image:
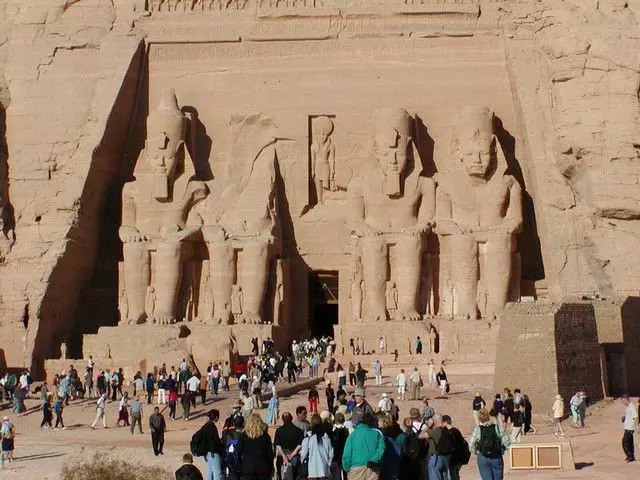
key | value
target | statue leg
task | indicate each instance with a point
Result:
(167, 281)
(255, 267)
(222, 270)
(497, 272)
(409, 259)
(136, 279)
(464, 272)
(319, 191)
(375, 257)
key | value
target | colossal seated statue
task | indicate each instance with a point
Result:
(240, 221)
(158, 215)
(390, 206)
(479, 206)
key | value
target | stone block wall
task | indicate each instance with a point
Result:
(546, 349)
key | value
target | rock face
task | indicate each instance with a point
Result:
(279, 143)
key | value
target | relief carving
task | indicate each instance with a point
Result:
(323, 156)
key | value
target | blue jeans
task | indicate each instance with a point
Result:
(490, 468)
(214, 466)
(438, 467)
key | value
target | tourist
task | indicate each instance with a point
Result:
(418, 346)
(7, 434)
(394, 410)
(188, 471)
(630, 423)
(432, 372)
(138, 384)
(317, 450)
(496, 409)
(528, 415)
(287, 442)
(338, 435)
(234, 426)
(517, 425)
(507, 407)
(361, 376)
(274, 408)
(392, 451)
(401, 382)
(63, 388)
(157, 426)
(226, 374)
(461, 452)
(384, 405)
(193, 386)
(100, 412)
(150, 387)
(173, 401)
(88, 382)
(489, 442)
(352, 374)
(47, 413)
(477, 405)
(256, 450)
(162, 392)
(301, 419)
(582, 408)
(416, 383)
(363, 450)
(313, 399)
(136, 414)
(441, 379)
(58, 407)
(361, 407)
(186, 405)
(412, 452)
(558, 413)
(204, 383)
(213, 447)
(377, 372)
(123, 410)
(440, 448)
(331, 397)
(427, 411)
(115, 384)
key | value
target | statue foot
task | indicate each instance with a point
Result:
(164, 318)
(464, 316)
(380, 316)
(252, 318)
(223, 317)
(408, 315)
(136, 318)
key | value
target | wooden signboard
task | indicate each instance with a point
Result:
(535, 456)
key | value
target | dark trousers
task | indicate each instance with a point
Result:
(256, 476)
(226, 383)
(203, 396)
(59, 420)
(46, 419)
(352, 379)
(149, 397)
(172, 409)
(291, 376)
(627, 444)
(157, 440)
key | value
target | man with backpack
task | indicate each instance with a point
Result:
(207, 443)
(441, 447)
(233, 428)
(413, 451)
(461, 453)
(489, 442)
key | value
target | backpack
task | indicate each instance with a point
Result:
(413, 446)
(199, 447)
(232, 456)
(446, 444)
(489, 444)
(462, 454)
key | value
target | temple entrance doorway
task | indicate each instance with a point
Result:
(323, 302)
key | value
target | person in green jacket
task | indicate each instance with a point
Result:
(363, 450)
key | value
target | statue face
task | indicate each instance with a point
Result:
(476, 154)
(392, 159)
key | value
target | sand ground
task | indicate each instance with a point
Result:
(40, 453)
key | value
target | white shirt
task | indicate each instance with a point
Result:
(384, 404)
(24, 383)
(630, 417)
(101, 401)
(193, 384)
(401, 379)
(90, 363)
(184, 366)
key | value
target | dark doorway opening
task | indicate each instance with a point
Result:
(615, 364)
(323, 302)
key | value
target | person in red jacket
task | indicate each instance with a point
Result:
(313, 399)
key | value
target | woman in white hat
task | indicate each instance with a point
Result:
(558, 413)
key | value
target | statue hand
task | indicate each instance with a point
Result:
(509, 226)
(364, 230)
(214, 233)
(129, 234)
(449, 227)
(417, 229)
(180, 235)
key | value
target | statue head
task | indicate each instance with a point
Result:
(474, 143)
(322, 128)
(166, 127)
(393, 129)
